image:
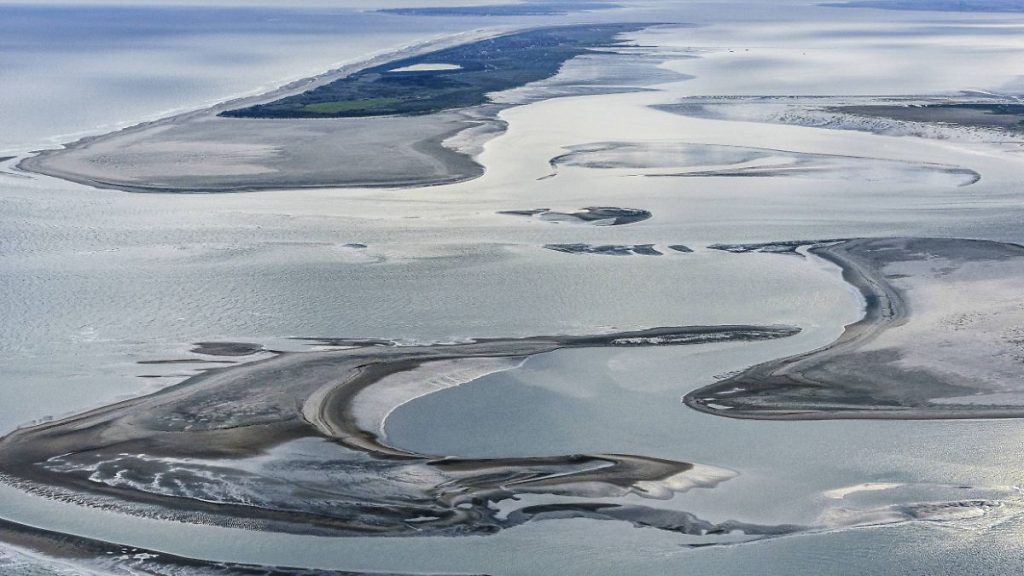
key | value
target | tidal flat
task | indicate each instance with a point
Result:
(391, 127)
(183, 450)
(121, 308)
(1004, 115)
(940, 339)
(966, 117)
(32, 550)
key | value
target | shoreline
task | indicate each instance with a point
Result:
(41, 161)
(295, 86)
(156, 455)
(44, 549)
(463, 167)
(206, 151)
(813, 385)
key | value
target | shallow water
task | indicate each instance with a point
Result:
(94, 281)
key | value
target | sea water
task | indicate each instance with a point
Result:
(94, 281)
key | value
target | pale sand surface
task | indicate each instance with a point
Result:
(942, 337)
(199, 151)
(294, 444)
(460, 269)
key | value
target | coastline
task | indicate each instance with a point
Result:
(839, 381)
(32, 548)
(156, 455)
(46, 162)
(208, 151)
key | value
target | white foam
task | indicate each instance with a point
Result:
(372, 406)
(699, 476)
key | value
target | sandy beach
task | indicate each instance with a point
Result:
(205, 152)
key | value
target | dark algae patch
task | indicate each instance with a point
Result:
(787, 247)
(606, 249)
(227, 348)
(485, 66)
(596, 215)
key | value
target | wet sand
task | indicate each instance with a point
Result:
(204, 152)
(34, 550)
(997, 115)
(277, 444)
(212, 154)
(200, 152)
(698, 160)
(941, 337)
(968, 117)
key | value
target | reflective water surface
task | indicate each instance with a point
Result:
(94, 281)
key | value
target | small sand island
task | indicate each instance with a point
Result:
(593, 215)
(386, 122)
(942, 337)
(696, 160)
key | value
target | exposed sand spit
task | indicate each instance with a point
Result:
(941, 338)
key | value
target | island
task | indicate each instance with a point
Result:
(415, 117)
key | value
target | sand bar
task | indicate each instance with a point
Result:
(942, 337)
(277, 444)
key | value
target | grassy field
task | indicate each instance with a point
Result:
(344, 106)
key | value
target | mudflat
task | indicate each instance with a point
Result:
(1004, 116)
(942, 337)
(294, 443)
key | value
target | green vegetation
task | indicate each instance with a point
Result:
(486, 66)
(349, 105)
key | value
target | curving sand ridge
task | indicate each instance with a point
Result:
(942, 337)
(293, 443)
(276, 444)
